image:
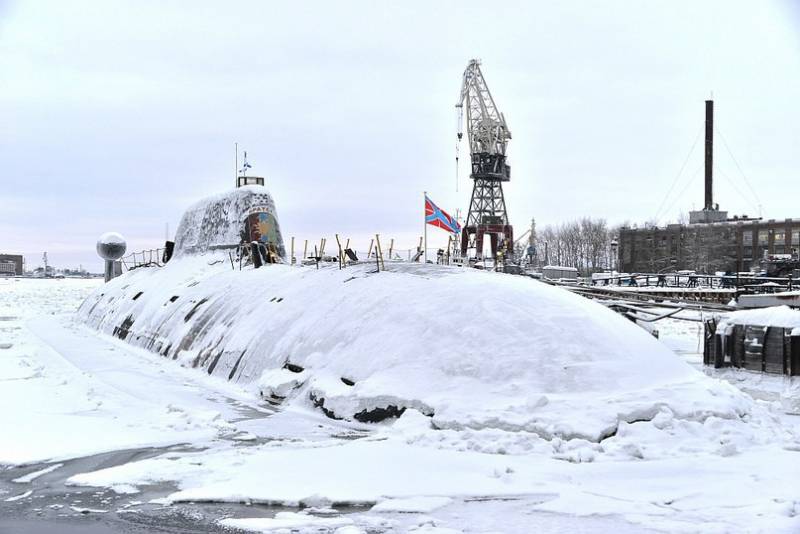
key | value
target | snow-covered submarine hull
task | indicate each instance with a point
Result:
(467, 348)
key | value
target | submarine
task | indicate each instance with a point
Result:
(363, 342)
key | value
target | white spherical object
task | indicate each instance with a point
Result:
(111, 246)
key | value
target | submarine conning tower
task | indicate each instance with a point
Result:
(225, 221)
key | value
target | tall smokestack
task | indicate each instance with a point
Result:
(709, 154)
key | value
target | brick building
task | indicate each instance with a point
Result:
(711, 241)
(10, 264)
(730, 245)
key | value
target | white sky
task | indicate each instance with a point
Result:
(117, 115)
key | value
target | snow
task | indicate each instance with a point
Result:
(77, 402)
(374, 470)
(19, 497)
(111, 238)
(217, 222)
(412, 504)
(290, 521)
(27, 479)
(778, 316)
(761, 300)
(539, 359)
(681, 491)
(688, 453)
(670, 290)
(560, 268)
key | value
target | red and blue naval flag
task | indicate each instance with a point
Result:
(438, 217)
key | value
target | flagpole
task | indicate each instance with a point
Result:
(236, 170)
(425, 225)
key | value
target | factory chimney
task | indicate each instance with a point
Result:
(710, 212)
(709, 155)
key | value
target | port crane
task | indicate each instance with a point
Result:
(488, 136)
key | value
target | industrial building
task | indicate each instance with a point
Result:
(734, 245)
(11, 264)
(712, 241)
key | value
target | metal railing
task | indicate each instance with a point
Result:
(737, 282)
(146, 258)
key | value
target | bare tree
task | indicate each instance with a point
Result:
(584, 244)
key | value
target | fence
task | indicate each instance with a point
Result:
(146, 258)
(740, 283)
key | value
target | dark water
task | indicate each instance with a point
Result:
(54, 507)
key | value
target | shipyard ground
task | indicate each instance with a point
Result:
(101, 437)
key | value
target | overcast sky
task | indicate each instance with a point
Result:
(117, 115)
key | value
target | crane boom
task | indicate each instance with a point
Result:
(487, 131)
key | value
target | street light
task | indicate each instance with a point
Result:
(614, 246)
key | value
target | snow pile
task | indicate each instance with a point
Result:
(777, 316)
(469, 349)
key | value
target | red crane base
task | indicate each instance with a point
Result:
(494, 231)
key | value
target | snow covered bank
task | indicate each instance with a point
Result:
(71, 393)
(470, 349)
(679, 488)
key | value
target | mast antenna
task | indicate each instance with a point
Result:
(245, 165)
